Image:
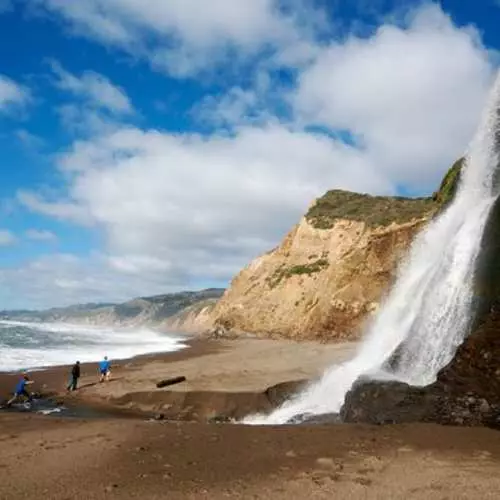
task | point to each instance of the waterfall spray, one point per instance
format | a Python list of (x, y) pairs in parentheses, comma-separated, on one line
[(426, 314)]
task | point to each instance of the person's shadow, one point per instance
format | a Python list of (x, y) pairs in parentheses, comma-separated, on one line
[(93, 384)]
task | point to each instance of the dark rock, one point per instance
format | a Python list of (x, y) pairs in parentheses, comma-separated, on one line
[(279, 393), (309, 419), (388, 402), (220, 419)]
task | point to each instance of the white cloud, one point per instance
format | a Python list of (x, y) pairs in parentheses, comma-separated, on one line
[(411, 95), (60, 210), (6, 238), (12, 94), (200, 208), (95, 88), (40, 235), (64, 279), (184, 36)]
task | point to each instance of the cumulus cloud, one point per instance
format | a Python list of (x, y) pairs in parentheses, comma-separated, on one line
[(94, 88), (64, 279), (40, 235), (64, 210), (201, 207), (6, 238), (412, 95), (185, 36), (12, 94)]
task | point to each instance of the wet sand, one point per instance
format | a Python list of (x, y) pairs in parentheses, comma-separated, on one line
[(47, 457), (55, 379)]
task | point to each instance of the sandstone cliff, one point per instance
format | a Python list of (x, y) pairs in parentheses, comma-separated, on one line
[(332, 269)]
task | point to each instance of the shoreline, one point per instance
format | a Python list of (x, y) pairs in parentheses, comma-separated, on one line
[(51, 381), (225, 380), (191, 458)]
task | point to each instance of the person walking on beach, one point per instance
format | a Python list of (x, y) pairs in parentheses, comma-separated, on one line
[(21, 391), (104, 370), (75, 375)]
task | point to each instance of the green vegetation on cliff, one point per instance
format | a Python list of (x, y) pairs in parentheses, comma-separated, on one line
[(381, 210), (372, 210), (286, 272), (449, 184)]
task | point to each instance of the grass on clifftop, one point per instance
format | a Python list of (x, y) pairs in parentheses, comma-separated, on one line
[(381, 210), (372, 210)]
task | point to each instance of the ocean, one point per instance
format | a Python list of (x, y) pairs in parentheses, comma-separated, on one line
[(26, 346)]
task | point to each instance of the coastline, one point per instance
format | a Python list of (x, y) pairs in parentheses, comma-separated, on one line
[(225, 379), (116, 457), (51, 381)]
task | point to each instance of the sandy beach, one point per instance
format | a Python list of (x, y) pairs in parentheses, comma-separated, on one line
[(188, 458)]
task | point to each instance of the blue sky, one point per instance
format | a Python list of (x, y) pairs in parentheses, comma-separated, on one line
[(155, 146)]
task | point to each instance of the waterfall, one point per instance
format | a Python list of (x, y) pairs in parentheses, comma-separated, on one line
[(426, 315)]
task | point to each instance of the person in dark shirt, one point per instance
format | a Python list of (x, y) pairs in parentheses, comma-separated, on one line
[(20, 390), (75, 375)]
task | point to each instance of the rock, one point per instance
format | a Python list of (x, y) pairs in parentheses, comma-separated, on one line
[(325, 418), (159, 416), (219, 419), (389, 402), (110, 488), (290, 454), (326, 462), (279, 393), (484, 406)]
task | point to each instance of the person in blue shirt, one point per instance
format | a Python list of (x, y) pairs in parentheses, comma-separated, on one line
[(20, 390), (104, 370)]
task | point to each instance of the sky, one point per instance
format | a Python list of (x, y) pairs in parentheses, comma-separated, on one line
[(152, 146)]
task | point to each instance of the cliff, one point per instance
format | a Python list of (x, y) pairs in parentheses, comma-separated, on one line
[(184, 311), (332, 269)]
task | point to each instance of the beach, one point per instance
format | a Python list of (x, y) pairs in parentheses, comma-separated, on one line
[(137, 449)]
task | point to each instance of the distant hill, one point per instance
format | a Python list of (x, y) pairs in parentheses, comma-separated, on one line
[(150, 311)]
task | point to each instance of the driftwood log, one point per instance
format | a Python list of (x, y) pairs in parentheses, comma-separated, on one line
[(170, 381)]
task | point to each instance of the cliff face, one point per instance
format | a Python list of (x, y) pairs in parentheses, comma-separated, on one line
[(332, 269), (318, 283), (193, 319)]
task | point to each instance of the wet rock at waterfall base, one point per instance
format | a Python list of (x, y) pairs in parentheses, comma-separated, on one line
[(280, 393), (310, 419), (387, 403), (397, 403)]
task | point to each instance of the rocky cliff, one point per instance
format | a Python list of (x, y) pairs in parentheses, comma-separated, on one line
[(332, 269)]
